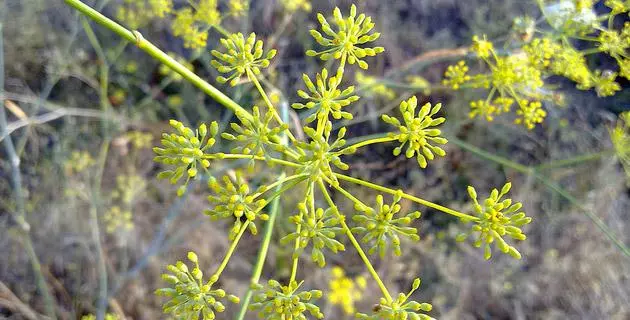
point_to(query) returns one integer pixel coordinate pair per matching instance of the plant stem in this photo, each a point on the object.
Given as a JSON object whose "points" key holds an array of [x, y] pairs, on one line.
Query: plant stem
{"points": [[262, 255], [230, 251], [355, 243], [407, 196], [368, 142], [158, 54], [500, 160], [101, 305], [254, 79], [220, 156], [16, 181], [281, 181], [296, 257], [575, 160]]}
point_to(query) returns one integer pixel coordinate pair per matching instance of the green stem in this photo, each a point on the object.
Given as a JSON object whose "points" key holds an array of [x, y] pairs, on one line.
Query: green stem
{"points": [[221, 156], [160, 55], [101, 306], [262, 255], [594, 218], [281, 181], [254, 79], [355, 243], [368, 142], [296, 257], [500, 160], [575, 160], [406, 196], [230, 251]]}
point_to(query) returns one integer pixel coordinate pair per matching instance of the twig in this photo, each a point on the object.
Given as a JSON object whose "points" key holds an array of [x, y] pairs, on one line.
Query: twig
{"points": [[16, 178], [10, 301], [54, 115]]}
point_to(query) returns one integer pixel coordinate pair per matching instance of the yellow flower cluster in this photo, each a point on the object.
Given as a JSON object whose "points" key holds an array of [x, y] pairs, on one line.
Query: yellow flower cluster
{"points": [[344, 291], [519, 76], [375, 89], [118, 219], [295, 5], [79, 161], [139, 139], [530, 113], [456, 75], [108, 316], [239, 8], [138, 13]]}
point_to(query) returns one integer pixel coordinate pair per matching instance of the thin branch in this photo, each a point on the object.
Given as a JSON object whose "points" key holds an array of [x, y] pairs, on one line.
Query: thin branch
{"points": [[16, 178]]}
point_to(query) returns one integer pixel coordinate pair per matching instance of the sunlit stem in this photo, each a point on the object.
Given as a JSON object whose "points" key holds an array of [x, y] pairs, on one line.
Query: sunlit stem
{"points": [[230, 251], [233, 156], [281, 181], [368, 142], [294, 267], [406, 196], [355, 243], [342, 66], [252, 77]]}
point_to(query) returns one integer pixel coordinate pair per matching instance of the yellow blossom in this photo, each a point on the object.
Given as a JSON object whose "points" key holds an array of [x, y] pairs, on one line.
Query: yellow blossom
{"points": [[530, 114], [345, 291], [375, 88], [295, 5], [456, 75], [482, 47]]}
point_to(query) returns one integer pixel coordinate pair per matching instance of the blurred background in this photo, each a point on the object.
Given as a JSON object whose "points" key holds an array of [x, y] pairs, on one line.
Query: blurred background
{"points": [[83, 109]]}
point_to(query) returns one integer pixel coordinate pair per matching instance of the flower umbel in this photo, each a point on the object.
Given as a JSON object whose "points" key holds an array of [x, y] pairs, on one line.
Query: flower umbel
{"points": [[278, 302], [400, 308], [244, 56], [497, 218], [326, 97], [185, 150], [189, 296], [456, 75], [233, 199], [319, 228], [381, 227], [530, 113], [345, 43], [256, 136], [417, 132]]}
